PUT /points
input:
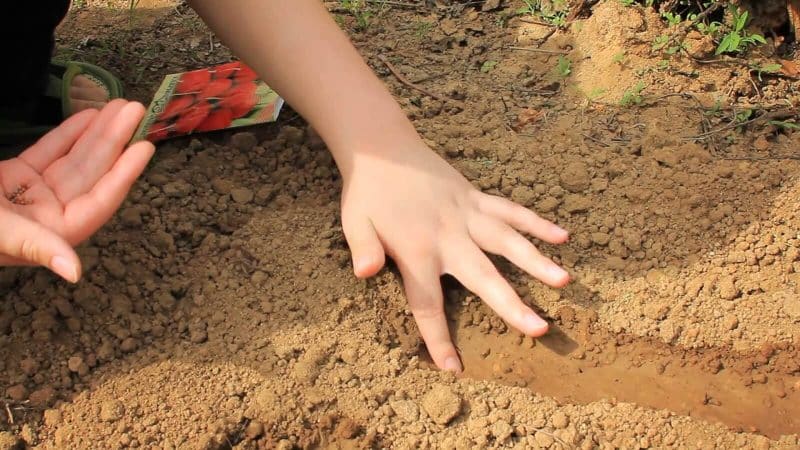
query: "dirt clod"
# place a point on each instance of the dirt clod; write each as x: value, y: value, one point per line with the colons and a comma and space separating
x: 727, y: 289
x: 10, y: 442
x: 111, y: 410
x: 44, y: 396
x: 406, y: 410
x: 442, y: 404
x: 244, y: 141
x: 791, y: 306
x: 501, y: 431
x: 575, y: 177
x: 17, y: 393
x: 242, y: 195
x: 559, y: 420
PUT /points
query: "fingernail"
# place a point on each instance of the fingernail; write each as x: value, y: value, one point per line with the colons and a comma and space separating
x: 534, y: 324
x: 560, y: 230
x: 452, y: 364
x: 64, y: 268
x: 557, y: 272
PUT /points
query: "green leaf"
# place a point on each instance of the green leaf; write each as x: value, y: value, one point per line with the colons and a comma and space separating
x: 724, y: 45
x: 770, y: 68
x: 741, y: 21
x: 786, y: 125
x: 736, y: 41
x: 564, y: 66
x: 488, y: 66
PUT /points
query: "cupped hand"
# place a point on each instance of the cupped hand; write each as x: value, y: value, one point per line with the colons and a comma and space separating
x: 62, y: 189
x: 431, y: 221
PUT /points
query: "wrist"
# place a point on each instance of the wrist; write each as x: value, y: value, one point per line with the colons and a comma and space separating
x: 378, y: 137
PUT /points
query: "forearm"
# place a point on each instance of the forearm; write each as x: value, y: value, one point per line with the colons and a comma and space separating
x: 301, y: 52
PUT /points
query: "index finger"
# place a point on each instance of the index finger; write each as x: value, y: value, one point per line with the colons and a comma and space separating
x: 88, y: 212
x: 57, y: 142
x: 96, y: 151
x: 476, y: 272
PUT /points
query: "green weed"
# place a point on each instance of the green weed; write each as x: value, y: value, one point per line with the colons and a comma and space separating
x: 633, y: 96
x: 359, y: 10
x: 712, y: 28
x: 672, y: 19
x: 766, y: 68
x: 422, y: 29
x: 738, y: 40
x: 554, y: 14
x: 563, y: 67
x: 595, y: 93
x: 666, y: 44
x: 784, y: 125
x: 715, y: 110
x: 744, y: 115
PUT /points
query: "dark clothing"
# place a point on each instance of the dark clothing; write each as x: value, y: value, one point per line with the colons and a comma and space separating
x: 27, y: 29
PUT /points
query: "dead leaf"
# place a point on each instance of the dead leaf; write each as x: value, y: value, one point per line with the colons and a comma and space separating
x: 789, y: 69
x: 526, y: 117
x: 448, y: 26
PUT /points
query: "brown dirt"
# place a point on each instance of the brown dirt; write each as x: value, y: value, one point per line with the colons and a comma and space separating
x: 219, y: 310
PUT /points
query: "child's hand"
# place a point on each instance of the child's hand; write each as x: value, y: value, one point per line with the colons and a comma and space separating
x: 399, y: 199
x: 426, y: 216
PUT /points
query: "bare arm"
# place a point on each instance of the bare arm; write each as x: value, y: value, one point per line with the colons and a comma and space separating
x: 304, y: 56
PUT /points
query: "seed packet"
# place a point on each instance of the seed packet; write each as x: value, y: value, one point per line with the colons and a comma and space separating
x: 226, y: 96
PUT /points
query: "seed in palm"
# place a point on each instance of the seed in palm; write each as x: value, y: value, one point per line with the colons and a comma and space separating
x: 16, y: 197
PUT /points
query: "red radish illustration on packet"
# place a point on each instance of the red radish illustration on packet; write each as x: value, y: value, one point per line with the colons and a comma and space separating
x: 226, y: 96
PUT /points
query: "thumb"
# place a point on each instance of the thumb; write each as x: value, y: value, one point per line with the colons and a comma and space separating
x: 366, y: 247
x: 30, y: 242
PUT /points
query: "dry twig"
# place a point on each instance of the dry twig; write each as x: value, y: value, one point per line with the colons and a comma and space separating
x: 10, y: 415
x: 780, y: 114
x: 405, y: 81
x: 539, y: 50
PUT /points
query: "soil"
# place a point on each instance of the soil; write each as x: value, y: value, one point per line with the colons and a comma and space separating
x: 219, y: 309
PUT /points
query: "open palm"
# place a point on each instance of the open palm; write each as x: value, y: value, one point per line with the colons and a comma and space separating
x: 62, y: 189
